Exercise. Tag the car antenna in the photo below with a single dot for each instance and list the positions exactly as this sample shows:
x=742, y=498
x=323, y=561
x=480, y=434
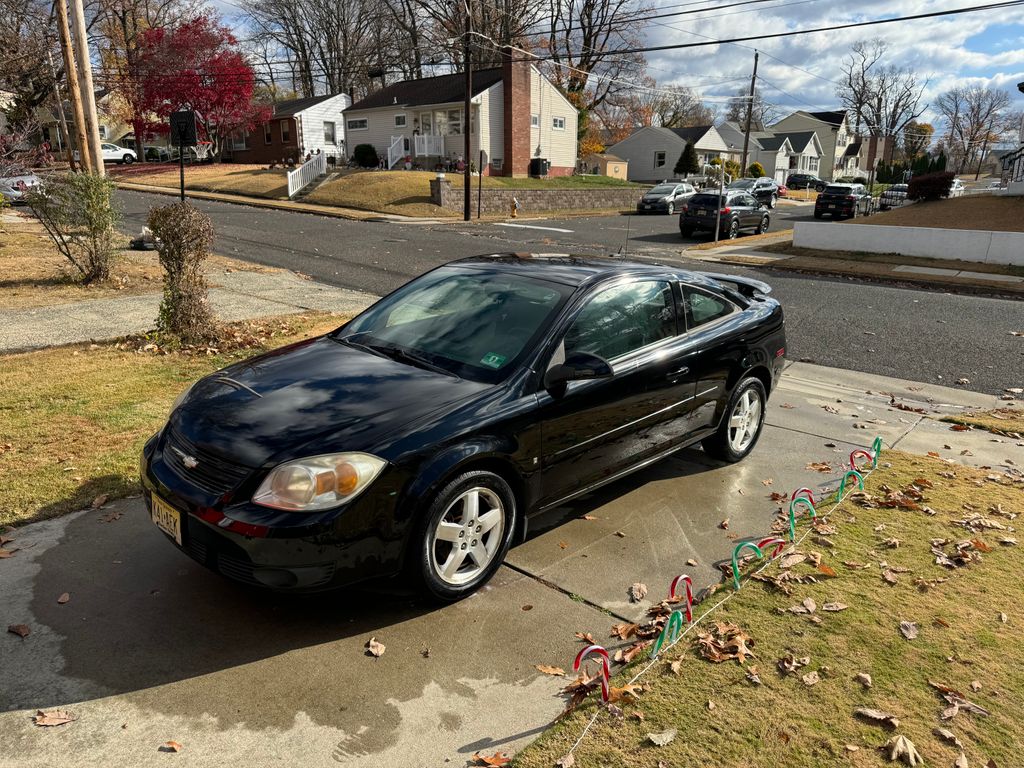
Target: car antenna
x=622, y=249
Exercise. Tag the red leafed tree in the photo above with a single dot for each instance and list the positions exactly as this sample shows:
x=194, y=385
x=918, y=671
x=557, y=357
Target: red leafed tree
x=197, y=64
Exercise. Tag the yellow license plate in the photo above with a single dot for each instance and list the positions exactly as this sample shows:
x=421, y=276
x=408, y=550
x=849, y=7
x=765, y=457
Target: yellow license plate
x=167, y=518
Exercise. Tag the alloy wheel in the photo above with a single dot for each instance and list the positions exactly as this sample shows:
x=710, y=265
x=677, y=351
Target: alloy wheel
x=671, y=209
x=734, y=230
x=744, y=421
x=763, y=227
x=468, y=536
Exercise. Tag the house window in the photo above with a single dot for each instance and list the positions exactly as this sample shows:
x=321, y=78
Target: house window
x=659, y=159
x=558, y=123
x=357, y=125
x=103, y=132
x=329, y=133
x=239, y=140
x=399, y=121
x=454, y=122
x=496, y=164
x=812, y=164
x=286, y=131
x=267, y=135
x=535, y=121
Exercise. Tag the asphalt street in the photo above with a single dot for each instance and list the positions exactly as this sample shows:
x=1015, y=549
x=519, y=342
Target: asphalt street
x=905, y=332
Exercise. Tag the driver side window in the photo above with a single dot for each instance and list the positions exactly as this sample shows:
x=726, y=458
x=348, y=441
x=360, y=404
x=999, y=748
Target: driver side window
x=623, y=319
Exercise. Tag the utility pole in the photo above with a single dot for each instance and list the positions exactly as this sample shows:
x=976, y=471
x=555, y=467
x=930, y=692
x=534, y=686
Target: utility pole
x=92, y=123
x=74, y=92
x=66, y=141
x=750, y=113
x=467, y=180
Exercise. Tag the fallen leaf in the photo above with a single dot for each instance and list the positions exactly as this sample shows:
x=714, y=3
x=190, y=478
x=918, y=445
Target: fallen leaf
x=624, y=631
x=111, y=516
x=626, y=655
x=793, y=558
x=1003, y=617
x=902, y=748
x=811, y=678
x=948, y=736
x=693, y=563
x=767, y=481
x=562, y=545
x=496, y=760
x=864, y=679
x=664, y=738
x=790, y=405
x=961, y=761
x=826, y=570
x=374, y=648
x=975, y=685
x=819, y=466
x=63, y=598
x=834, y=607
x=724, y=525
x=790, y=663
x=810, y=605
x=99, y=501
x=549, y=670
x=710, y=705
x=170, y=746
x=620, y=534
x=21, y=630
x=878, y=717
x=909, y=629
x=568, y=761
x=5, y=553
x=590, y=517
x=527, y=607
x=753, y=676
x=637, y=592
x=53, y=717
x=631, y=691
x=852, y=748
x=586, y=637
x=890, y=576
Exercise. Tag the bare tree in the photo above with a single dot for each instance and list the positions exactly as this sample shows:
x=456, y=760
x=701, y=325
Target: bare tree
x=882, y=99
x=974, y=116
x=26, y=36
x=763, y=114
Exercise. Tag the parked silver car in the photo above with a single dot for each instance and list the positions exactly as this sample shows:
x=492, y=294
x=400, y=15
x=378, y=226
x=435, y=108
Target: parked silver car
x=893, y=197
x=14, y=188
x=667, y=197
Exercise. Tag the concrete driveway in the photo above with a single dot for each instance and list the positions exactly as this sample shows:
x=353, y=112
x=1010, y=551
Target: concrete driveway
x=151, y=647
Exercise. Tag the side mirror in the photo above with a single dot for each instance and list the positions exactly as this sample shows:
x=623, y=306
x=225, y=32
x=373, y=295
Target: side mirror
x=578, y=366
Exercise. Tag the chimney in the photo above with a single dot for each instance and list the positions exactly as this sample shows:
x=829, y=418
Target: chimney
x=515, y=77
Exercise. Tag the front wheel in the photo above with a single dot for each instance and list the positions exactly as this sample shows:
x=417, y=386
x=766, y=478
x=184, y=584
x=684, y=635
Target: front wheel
x=763, y=226
x=127, y=159
x=671, y=208
x=464, y=535
x=742, y=423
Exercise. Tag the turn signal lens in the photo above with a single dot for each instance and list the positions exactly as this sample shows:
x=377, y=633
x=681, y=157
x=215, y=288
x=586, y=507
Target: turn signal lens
x=318, y=482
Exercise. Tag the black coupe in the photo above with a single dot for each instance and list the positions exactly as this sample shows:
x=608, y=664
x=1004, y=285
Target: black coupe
x=423, y=434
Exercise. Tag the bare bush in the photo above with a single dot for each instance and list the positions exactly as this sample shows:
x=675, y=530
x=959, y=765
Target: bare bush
x=77, y=210
x=184, y=235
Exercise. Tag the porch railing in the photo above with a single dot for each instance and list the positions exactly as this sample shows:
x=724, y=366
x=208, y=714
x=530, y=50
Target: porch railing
x=396, y=151
x=306, y=174
x=429, y=146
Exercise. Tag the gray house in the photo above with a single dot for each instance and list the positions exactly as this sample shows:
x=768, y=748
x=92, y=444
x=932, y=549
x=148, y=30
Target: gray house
x=652, y=152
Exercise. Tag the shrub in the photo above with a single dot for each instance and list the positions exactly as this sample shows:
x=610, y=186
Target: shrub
x=930, y=186
x=77, y=210
x=756, y=170
x=184, y=237
x=687, y=162
x=732, y=167
x=366, y=156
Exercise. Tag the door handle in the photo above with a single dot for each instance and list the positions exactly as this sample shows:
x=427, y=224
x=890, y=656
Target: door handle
x=680, y=372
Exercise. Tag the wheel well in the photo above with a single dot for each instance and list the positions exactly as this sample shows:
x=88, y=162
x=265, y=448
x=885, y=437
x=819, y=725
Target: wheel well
x=764, y=375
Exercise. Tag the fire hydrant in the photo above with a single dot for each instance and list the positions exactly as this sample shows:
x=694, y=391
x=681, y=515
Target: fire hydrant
x=514, y=208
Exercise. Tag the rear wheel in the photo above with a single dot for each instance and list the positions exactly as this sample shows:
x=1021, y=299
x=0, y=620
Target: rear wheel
x=741, y=426
x=464, y=535
x=818, y=214
x=686, y=231
x=127, y=159
x=734, y=230
x=763, y=226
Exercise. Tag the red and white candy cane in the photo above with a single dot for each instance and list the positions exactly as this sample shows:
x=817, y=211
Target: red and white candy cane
x=605, y=670
x=804, y=492
x=689, y=594
x=859, y=452
x=780, y=544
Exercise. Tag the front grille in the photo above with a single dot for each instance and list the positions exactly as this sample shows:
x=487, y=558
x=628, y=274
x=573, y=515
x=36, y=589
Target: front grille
x=213, y=474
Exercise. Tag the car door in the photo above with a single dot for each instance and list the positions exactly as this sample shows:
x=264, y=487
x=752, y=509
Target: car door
x=750, y=211
x=598, y=428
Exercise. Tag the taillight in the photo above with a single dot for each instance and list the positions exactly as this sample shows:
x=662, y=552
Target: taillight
x=851, y=197
x=727, y=209
x=684, y=209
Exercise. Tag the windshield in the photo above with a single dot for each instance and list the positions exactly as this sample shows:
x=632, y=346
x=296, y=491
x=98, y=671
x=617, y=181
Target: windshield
x=468, y=322
x=838, y=191
x=742, y=184
x=662, y=189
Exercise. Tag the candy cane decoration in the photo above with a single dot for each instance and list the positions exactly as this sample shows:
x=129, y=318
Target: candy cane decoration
x=876, y=451
x=860, y=452
x=803, y=492
x=735, y=559
x=798, y=502
x=780, y=544
x=842, y=484
x=689, y=594
x=605, y=670
x=672, y=628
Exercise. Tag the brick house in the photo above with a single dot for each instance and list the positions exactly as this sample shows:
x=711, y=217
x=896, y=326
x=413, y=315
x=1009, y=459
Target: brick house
x=298, y=127
x=517, y=115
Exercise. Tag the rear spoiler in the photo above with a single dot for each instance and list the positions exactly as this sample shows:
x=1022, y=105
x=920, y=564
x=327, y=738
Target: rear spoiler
x=744, y=286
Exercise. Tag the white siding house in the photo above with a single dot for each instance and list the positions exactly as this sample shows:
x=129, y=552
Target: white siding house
x=653, y=151
x=834, y=137
x=298, y=127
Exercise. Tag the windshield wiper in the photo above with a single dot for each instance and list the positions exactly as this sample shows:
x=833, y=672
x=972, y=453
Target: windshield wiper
x=393, y=352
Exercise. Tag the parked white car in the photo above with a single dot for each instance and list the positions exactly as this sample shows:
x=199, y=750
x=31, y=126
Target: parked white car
x=14, y=188
x=115, y=154
x=957, y=188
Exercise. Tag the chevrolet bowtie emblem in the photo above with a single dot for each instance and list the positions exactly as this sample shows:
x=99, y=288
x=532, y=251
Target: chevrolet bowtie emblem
x=190, y=462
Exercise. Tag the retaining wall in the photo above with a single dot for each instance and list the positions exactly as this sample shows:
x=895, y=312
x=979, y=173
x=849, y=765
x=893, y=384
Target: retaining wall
x=964, y=244
x=532, y=200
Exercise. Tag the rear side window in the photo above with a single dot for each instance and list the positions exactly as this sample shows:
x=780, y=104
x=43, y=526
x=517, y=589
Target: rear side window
x=702, y=307
x=623, y=319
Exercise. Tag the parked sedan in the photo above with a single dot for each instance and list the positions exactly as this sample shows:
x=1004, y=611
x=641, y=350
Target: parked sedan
x=665, y=198
x=956, y=188
x=806, y=181
x=14, y=189
x=739, y=212
x=115, y=154
x=765, y=190
x=843, y=201
x=893, y=197
x=421, y=437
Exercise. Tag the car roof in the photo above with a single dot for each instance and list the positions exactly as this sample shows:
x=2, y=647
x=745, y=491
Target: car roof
x=578, y=270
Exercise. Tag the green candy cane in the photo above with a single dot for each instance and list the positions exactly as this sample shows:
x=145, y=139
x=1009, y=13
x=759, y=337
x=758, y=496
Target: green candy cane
x=842, y=485
x=673, y=627
x=799, y=501
x=735, y=559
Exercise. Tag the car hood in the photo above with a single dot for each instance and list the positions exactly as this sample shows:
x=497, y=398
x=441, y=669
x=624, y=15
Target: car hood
x=654, y=198
x=317, y=396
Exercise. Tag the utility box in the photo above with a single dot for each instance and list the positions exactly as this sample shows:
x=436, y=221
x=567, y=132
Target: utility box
x=539, y=167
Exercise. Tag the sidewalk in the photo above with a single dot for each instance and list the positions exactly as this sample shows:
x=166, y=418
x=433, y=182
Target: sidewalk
x=151, y=647
x=920, y=271
x=239, y=296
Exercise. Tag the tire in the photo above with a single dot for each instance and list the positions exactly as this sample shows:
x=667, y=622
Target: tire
x=446, y=570
x=127, y=159
x=734, y=230
x=686, y=231
x=819, y=188
x=773, y=201
x=724, y=444
x=762, y=228
x=671, y=208
x=818, y=214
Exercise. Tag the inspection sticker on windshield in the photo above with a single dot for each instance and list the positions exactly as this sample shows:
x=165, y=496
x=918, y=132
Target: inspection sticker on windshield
x=492, y=360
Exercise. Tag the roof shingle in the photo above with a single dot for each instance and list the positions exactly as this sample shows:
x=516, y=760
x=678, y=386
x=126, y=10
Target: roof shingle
x=443, y=89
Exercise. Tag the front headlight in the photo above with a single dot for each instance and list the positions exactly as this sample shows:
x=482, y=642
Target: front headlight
x=318, y=482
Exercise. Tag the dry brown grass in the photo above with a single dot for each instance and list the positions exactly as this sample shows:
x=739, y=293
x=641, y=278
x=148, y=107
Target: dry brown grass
x=785, y=723
x=985, y=212
x=34, y=274
x=1007, y=421
x=231, y=178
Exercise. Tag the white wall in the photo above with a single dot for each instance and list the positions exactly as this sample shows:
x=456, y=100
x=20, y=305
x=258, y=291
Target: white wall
x=557, y=145
x=963, y=244
x=313, y=118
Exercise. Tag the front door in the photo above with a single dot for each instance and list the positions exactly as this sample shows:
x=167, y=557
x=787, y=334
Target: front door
x=596, y=429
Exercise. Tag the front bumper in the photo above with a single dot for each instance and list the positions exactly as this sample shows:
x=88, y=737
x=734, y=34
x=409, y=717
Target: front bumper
x=281, y=550
x=658, y=206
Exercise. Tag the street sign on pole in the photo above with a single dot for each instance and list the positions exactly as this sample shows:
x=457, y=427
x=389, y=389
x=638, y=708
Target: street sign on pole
x=183, y=134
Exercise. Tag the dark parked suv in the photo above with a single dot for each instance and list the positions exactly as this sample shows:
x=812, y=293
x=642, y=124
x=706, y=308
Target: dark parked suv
x=741, y=211
x=843, y=201
x=806, y=181
x=764, y=189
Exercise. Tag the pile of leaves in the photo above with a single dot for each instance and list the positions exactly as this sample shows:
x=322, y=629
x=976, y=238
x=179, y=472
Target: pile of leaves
x=224, y=338
x=724, y=642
